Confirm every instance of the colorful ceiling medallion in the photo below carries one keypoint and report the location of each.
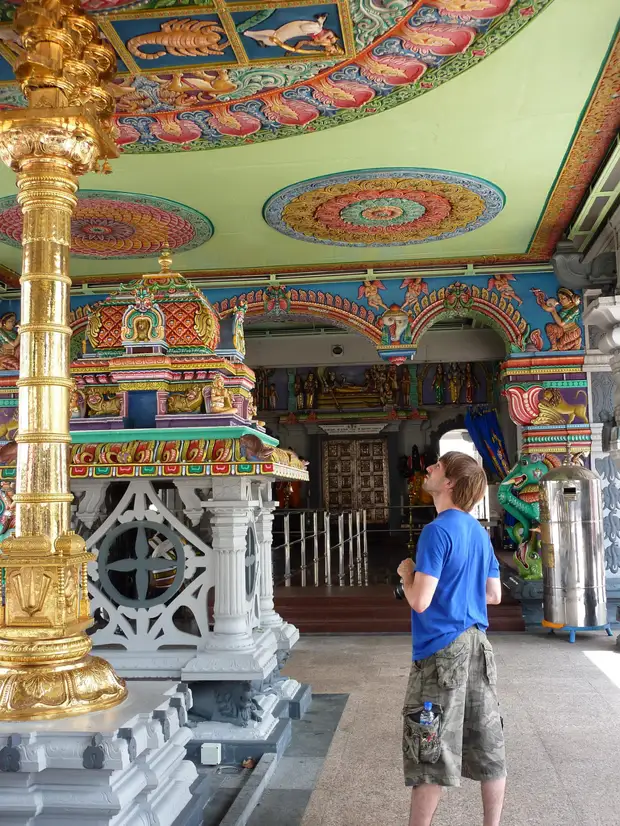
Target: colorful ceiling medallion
(119, 225)
(383, 207)
(225, 72)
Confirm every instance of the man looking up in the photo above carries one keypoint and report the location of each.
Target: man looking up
(455, 577)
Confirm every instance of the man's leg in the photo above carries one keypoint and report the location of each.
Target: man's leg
(484, 753)
(492, 800)
(424, 800)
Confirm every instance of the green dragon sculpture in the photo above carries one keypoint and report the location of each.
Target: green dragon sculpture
(519, 495)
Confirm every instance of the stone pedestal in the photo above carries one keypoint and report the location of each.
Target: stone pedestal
(122, 767)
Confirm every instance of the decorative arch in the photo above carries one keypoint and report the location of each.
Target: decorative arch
(280, 302)
(465, 301)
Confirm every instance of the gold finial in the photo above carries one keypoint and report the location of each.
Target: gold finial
(165, 261)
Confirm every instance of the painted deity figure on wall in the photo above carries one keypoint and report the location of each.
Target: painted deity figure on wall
(438, 384)
(370, 291)
(9, 342)
(564, 332)
(502, 284)
(396, 326)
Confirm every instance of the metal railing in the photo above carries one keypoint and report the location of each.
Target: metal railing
(321, 548)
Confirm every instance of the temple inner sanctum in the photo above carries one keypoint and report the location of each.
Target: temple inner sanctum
(287, 289)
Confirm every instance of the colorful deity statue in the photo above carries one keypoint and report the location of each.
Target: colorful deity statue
(299, 392)
(220, 400)
(438, 384)
(471, 384)
(238, 334)
(310, 387)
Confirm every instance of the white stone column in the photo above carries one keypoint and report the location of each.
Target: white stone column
(604, 312)
(91, 495)
(286, 634)
(234, 650)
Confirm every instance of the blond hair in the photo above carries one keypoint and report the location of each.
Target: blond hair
(468, 479)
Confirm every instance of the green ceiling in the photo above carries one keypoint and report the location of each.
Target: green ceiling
(508, 120)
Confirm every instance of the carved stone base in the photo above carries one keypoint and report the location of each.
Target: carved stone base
(49, 691)
(220, 660)
(125, 767)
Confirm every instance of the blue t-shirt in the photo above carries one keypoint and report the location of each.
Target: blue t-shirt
(457, 550)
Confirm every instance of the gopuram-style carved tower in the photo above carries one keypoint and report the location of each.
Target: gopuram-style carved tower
(45, 670)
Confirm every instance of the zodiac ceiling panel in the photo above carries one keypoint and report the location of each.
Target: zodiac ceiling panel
(224, 72)
(383, 207)
(120, 225)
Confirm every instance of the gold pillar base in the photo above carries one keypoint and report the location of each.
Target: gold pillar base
(47, 691)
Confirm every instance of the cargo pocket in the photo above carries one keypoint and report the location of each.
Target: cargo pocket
(451, 664)
(489, 663)
(421, 743)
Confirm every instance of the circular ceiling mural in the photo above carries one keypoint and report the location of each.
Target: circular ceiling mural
(224, 72)
(119, 225)
(383, 207)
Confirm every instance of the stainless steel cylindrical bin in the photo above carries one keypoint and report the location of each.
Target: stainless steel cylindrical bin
(573, 553)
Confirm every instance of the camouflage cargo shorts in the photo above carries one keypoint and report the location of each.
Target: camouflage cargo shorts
(466, 738)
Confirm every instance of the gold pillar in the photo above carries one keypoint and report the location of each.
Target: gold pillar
(45, 668)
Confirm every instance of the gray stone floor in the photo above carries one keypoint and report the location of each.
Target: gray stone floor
(285, 801)
(561, 707)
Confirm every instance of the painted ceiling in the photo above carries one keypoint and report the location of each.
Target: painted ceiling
(464, 131)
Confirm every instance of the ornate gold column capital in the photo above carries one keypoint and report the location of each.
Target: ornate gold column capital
(75, 138)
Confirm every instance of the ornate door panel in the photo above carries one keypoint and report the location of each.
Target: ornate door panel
(372, 472)
(355, 476)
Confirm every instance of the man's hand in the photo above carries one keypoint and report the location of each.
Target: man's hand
(406, 569)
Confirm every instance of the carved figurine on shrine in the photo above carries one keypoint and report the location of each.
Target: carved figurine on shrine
(220, 401)
(9, 342)
(77, 402)
(438, 385)
(99, 403)
(471, 384)
(310, 386)
(7, 509)
(187, 401)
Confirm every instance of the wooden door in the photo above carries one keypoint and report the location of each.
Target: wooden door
(355, 476)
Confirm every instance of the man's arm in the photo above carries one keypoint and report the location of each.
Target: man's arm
(494, 583)
(419, 590)
(494, 591)
(420, 587)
